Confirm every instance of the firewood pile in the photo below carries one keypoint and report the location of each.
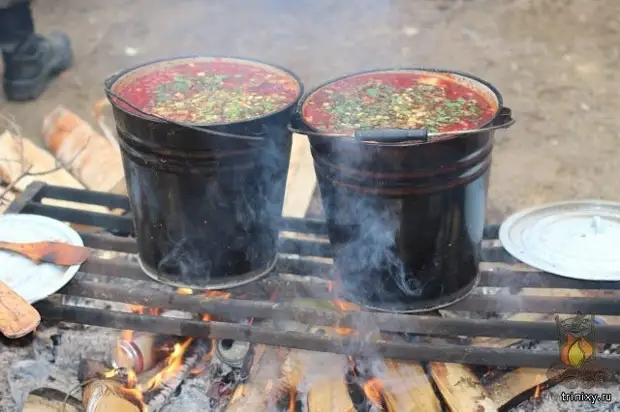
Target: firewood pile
(75, 156)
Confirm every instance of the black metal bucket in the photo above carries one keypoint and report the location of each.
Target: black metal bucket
(406, 217)
(206, 199)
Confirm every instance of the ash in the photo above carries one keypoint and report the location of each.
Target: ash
(551, 400)
(50, 358)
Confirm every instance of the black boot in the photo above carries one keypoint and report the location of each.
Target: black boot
(31, 65)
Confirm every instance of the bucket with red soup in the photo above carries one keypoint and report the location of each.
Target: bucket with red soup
(206, 148)
(402, 158)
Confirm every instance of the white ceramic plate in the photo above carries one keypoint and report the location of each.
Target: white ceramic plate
(33, 281)
(577, 239)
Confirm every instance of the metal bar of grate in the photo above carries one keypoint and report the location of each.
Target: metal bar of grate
(298, 259)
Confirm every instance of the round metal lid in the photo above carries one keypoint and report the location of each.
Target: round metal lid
(575, 239)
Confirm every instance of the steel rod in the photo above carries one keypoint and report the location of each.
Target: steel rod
(34, 191)
(82, 217)
(110, 200)
(237, 310)
(343, 345)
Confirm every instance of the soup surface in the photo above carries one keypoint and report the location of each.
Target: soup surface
(398, 100)
(208, 90)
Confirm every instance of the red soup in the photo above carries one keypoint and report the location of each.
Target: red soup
(208, 90)
(400, 99)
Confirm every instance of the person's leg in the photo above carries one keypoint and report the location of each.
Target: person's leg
(30, 61)
(15, 25)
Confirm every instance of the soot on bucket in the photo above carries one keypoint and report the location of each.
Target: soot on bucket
(405, 217)
(205, 148)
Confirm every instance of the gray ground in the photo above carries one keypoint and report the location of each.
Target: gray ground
(555, 62)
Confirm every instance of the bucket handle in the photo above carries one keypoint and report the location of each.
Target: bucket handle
(107, 85)
(503, 120)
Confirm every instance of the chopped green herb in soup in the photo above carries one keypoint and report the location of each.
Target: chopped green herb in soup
(204, 91)
(396, 99)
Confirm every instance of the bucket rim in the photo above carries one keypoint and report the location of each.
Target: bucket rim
(113, 78)
(298, 110)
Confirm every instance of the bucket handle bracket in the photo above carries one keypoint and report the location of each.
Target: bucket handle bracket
(502, 120)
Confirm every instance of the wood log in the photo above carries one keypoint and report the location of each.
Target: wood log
(322, 375)
(258, 392)
(506, 342)
(18, 154)
(407, 388)
(17, 317)
(111, 391)
(511, 385)
(90, 369)
(90, 157)
(50, 400)
(460, 388)
(301, 179)
(197, 351)
(102, 112)
(330, 396)
(104, 395)
(5, 199)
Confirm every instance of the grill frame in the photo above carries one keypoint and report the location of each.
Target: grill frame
(498, 270)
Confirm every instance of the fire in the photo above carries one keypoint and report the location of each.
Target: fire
(292, 398)
(217, 294)
(173, 363)
(373, 389)
(344, 306)
(538, 391)
(207, 317)
(185, 291)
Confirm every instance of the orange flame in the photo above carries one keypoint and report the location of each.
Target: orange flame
(344, 306)
(136, 389)
(373, 389)
(292, 398)
(217, 294)
(538, 390)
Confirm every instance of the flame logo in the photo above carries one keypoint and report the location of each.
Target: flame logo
(576, 351)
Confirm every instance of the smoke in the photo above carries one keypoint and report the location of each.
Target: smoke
(371, 249)
(206, 217)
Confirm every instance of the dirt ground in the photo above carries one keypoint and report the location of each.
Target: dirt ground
(555, 62)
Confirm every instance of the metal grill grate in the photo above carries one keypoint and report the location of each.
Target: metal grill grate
(498, 271)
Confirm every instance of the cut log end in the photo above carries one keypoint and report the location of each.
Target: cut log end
(460, 388)
(407, 388)
(330, 396)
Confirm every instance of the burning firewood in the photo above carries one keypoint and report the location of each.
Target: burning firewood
(407, 388)
(152, 391)
(460, 388)
(323, 377)
(258, 392)
(103, 395)
(330, 396)
(105, 388)
(511, 385)
(90, 157)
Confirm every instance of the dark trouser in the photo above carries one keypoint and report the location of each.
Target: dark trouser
(15, 25)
